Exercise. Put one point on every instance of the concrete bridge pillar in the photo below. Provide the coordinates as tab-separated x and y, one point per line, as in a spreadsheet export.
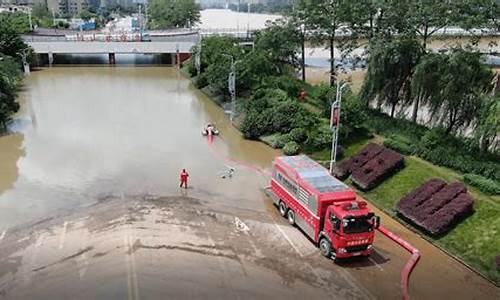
51	58
111	58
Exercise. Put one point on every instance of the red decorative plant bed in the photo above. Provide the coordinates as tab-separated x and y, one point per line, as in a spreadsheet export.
436	206
370	166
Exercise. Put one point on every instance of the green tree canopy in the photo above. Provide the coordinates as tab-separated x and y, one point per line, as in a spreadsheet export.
390	70
463	79
165	14
9	80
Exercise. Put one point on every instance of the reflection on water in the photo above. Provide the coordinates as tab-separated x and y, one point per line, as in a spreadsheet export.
10	152
98	131
120	59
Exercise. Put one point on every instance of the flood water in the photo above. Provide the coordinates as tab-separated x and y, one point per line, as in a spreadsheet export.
86	133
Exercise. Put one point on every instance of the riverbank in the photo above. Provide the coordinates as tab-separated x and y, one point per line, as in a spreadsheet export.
472	242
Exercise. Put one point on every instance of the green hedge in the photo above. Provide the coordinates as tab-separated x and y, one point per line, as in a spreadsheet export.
399	144
483	184
291	148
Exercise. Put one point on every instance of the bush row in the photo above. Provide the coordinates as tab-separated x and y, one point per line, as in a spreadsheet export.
483	184
435	145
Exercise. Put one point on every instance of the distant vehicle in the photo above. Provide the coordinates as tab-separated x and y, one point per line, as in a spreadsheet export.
323	207
115	37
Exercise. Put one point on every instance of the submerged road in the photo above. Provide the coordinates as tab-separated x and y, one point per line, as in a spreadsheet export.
90	206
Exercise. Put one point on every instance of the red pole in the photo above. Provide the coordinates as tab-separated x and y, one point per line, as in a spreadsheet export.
410	264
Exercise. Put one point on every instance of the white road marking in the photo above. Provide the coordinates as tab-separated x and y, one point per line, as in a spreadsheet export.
133	290
376	264
288	239
3	235
82	261
62	238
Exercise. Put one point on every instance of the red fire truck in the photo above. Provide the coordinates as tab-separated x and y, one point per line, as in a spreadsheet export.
325	208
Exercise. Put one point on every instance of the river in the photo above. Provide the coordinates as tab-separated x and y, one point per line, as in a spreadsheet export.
87	133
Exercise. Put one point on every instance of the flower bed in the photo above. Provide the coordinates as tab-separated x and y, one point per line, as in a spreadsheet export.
344	169
436	206
373	172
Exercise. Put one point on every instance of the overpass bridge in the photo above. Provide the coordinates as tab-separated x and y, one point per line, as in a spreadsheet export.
177	43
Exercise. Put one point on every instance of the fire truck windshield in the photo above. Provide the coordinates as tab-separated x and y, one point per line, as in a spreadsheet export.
356	224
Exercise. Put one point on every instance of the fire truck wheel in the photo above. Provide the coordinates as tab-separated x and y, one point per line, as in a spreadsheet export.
283	209
325	247
291	217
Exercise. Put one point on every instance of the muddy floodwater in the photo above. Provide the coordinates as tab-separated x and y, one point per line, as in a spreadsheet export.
86	133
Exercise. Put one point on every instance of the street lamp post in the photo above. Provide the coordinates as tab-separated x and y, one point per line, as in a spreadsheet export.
303	32
232	85
335	123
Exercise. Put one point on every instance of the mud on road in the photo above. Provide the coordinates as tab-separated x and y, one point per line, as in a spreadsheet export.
168	248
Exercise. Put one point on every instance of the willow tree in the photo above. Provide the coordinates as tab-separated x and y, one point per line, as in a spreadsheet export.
487	125
390	70
425	81
462	83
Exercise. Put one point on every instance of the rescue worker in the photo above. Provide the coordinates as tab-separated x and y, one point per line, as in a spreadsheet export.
184	178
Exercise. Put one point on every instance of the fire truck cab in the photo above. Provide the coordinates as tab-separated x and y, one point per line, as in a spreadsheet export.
324	208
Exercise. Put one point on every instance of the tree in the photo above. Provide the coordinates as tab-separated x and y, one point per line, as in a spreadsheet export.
390	70
425	82
423	18
18	22
9	81
40	11
280	40
324	18
11	43
487	125
463	79
165	14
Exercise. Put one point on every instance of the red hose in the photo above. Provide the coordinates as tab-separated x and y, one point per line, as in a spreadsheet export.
410	264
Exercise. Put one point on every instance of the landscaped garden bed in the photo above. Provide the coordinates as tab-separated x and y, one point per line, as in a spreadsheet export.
436	206
370	166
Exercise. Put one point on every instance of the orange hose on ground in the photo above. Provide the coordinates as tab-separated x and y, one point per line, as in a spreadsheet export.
410	264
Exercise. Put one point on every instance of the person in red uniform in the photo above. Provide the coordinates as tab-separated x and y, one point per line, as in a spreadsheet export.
184	178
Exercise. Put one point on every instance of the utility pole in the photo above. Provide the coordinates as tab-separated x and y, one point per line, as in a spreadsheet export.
29	18
232	86
248	20
335	123
303	32
197	58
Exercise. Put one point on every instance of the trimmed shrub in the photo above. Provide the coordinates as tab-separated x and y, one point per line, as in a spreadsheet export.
409	202
291	148
436	206
439	200
298	135
449	215
273	140
345	168
400	144
201	81
284	139
483	184
377	169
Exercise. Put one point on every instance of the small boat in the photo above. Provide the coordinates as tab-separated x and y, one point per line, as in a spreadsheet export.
210	130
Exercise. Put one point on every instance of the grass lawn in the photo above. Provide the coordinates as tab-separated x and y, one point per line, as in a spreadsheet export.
476	240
